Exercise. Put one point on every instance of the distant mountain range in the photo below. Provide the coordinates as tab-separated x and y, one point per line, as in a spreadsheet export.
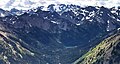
60	35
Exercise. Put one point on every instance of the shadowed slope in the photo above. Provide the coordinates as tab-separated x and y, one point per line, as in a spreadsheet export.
107	52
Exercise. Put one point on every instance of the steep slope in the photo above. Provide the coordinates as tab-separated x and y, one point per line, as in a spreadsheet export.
32	48
11	50
107	52
42	37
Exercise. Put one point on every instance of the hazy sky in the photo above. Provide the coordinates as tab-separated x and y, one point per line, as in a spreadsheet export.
27	4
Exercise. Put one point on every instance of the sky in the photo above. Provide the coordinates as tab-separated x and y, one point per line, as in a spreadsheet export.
28	4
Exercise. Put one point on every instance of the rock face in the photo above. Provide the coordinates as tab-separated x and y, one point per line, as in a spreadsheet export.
54	36
107	52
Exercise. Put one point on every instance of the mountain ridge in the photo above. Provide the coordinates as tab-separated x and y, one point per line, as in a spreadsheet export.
53	35
102	53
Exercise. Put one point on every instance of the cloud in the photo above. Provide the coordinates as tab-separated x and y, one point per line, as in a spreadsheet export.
27	4
9	3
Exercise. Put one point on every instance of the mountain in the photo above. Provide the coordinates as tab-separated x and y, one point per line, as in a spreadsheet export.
59	35
107	52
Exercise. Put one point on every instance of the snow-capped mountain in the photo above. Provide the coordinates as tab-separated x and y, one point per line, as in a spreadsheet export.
73	13
59	35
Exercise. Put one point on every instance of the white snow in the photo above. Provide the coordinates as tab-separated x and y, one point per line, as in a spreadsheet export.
87	17
108	25
13	22
118	20
78	24
2	15
118	29
108	21
55	22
